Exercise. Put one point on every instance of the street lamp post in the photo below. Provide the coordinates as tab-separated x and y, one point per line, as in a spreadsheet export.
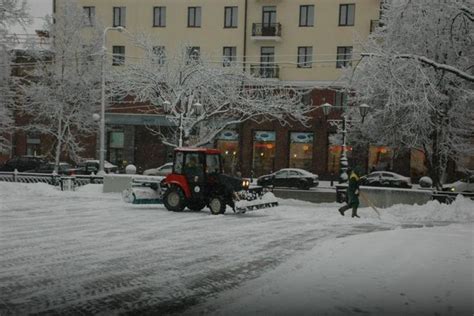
344	163
101	171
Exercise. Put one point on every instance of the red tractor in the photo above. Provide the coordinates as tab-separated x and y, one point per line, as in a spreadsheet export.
197	181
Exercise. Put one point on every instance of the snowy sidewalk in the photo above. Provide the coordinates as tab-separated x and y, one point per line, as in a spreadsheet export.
424	271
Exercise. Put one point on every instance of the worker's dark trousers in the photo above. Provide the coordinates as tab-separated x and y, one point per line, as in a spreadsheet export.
346	207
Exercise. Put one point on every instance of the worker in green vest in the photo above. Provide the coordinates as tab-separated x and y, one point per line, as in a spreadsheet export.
352	193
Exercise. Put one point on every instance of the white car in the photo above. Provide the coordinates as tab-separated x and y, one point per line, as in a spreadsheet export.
385	179
463	185
163	170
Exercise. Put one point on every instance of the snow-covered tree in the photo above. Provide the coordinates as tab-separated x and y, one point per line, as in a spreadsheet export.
63	91
11	12
416	73
202	98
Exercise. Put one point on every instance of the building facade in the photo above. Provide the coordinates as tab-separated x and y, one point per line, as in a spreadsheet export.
296	42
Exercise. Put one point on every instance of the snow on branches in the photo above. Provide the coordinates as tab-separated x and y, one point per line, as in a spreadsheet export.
11	12
417	75
200	98
62	92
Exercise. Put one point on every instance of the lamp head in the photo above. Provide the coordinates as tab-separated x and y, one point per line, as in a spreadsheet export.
198	108
167	106
96	117
326	108
363	109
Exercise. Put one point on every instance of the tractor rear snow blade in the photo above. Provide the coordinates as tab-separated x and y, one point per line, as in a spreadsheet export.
143	193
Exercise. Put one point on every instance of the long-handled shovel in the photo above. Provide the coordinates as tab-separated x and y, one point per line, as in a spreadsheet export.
366	199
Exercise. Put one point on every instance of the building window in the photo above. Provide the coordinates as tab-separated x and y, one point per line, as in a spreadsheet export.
160	54
344	56
118	55
159	16
193	54
89	13
346	14
230	17
116	145
307	15
33	144
194	16
301	150
340	99
305	57
119	16
229	55
263	153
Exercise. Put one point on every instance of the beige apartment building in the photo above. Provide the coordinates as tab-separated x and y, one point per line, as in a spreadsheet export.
296	42
303	38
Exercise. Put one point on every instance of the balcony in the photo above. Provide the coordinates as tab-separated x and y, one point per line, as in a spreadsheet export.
265	71
264	31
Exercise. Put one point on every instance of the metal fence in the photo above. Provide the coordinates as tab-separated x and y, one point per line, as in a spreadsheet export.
52	179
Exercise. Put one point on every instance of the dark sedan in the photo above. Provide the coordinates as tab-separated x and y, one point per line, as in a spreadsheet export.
385	179
23	163
290	177
63	169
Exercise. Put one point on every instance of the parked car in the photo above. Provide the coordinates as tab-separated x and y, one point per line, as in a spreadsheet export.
23	163
92	166
163	170
63	169
385	179
464	185
290	177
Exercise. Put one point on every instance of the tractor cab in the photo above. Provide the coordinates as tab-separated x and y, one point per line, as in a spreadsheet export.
195	170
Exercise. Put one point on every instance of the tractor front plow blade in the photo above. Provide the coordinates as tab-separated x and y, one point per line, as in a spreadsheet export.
266	200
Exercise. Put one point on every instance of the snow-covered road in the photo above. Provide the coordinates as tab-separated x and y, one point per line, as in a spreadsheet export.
88	252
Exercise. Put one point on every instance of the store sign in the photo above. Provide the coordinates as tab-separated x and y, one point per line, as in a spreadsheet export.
306	138
265	136
228	135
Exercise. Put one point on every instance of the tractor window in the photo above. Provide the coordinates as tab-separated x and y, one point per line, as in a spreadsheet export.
212	164
178	162
193	165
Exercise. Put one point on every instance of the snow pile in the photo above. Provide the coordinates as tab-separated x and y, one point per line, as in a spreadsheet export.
90	188
461	210
13	189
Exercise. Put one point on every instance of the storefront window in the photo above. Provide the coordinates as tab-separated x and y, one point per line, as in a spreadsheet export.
417	164
228	144
380	158
335	153
301	150
263	152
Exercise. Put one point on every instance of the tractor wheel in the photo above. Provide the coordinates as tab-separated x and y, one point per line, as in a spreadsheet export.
196	205
174	199
217	205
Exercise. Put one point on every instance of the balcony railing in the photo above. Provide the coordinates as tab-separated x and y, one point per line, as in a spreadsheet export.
266	29
265	71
